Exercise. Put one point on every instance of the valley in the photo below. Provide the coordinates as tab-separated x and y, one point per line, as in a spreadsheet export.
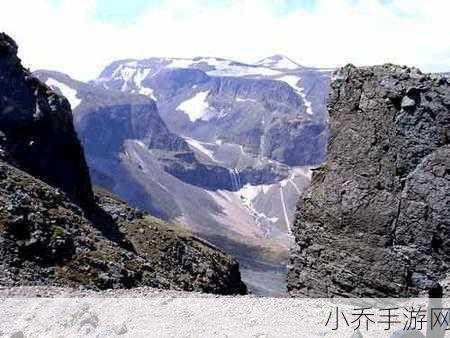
221	147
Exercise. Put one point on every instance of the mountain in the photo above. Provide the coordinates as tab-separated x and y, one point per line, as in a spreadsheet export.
279	62
55	230
376	220
266	111
245	140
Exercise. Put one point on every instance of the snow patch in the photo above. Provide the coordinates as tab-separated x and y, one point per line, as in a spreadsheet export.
286	217
240	99
200	147
293	81
196	107
296	172
69	93
250	192
134	155
247	195
140	143
148	92
223	67
302	171
180	63
241	70
279	62
140	76
131	74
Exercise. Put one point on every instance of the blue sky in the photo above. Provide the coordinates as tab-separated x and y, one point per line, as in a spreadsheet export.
123	12
80	37
120	11
126	12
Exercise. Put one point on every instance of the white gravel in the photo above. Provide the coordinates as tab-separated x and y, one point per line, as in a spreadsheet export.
147	312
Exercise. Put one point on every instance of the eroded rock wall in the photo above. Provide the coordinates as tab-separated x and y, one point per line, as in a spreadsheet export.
376	219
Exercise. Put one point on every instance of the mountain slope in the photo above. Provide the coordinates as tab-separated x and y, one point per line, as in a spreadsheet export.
278	62
47	240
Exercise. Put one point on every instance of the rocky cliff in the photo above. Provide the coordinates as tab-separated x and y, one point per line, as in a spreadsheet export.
376	219
37	130
85	240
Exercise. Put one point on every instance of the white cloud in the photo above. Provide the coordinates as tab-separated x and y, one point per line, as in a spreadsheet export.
69	39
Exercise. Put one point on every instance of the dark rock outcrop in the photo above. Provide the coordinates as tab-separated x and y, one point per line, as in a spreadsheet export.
105	126
104	119
37	129
188	169
376	219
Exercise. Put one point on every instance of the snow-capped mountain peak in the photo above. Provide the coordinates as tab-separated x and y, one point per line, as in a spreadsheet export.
278	62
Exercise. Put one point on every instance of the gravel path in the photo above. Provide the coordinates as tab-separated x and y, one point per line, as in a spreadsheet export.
147	312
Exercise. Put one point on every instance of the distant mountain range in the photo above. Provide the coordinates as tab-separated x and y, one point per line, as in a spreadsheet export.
220	146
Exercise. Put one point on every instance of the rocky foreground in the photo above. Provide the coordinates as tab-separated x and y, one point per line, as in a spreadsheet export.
46	239
140	312
55	231
376	220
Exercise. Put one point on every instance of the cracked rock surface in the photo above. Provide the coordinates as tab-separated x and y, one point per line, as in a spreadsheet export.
376	220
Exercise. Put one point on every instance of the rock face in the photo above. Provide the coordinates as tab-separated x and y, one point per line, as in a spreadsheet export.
376	219
37	130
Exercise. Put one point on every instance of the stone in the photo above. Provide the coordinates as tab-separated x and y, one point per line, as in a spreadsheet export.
120	329
17	334
408	102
